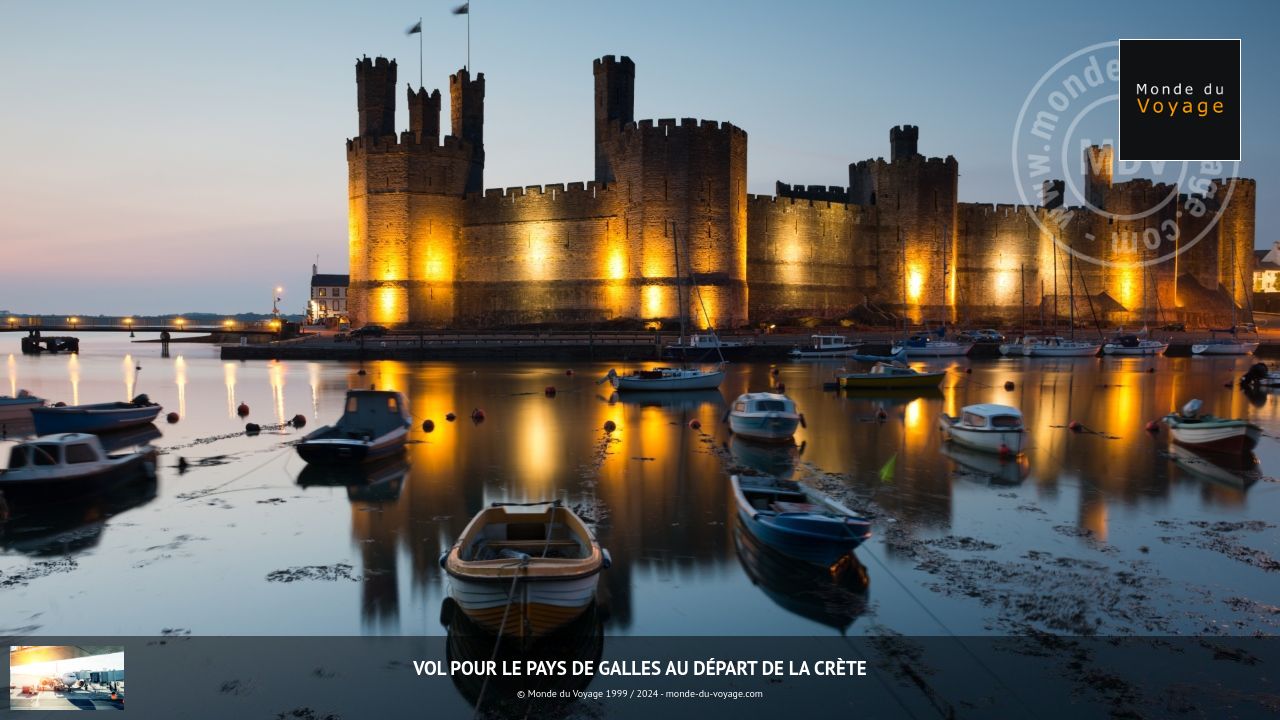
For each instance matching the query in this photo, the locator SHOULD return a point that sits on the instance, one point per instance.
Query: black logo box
(1189, 64)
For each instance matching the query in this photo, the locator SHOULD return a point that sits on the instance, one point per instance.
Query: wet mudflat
(1101, 532)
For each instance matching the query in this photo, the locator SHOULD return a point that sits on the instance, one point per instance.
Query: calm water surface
(1099, 531)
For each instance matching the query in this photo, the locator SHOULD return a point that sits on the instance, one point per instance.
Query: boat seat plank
(796, 507)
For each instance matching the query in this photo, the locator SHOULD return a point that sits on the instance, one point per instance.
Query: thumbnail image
(66, 677)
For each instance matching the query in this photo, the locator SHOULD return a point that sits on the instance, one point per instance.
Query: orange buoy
(1075, 426)
(1008, 385)
(610, 426)
(450, 417)
(298, 420)
(242, 410)
(1005, 452)
(1153, 426)
(968, 371)
(477, 416)
(694, 424)
(428, 425)
(171, 417)
(549, 391)
(1151, 369)
(569, 372)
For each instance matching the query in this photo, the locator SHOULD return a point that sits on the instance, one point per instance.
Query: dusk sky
(167, 157)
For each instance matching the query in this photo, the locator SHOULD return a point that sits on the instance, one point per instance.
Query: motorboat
(895, 352)
(766, 416)
(890, 376)
(1057, 346)
(18, 409)
(665, 379)
(95, 418)
(987, 427)
(825, 346)
(706, 346)
(1189, 428)
(525, 572)
(69, 466)
(374, 424)
(1224, 346)
(798, 520)
(1260, 376)
(926, 346)
(1016, 347)
(1132, 345)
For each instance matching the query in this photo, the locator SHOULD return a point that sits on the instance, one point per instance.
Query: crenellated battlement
(669, 127)
(406, 142)
(994, 210)
(830, 193)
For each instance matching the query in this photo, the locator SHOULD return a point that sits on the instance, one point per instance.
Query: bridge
(43, 326)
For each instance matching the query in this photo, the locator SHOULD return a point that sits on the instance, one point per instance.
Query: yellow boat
(891, 376)
(525, 572)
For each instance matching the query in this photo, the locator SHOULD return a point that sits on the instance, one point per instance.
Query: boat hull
(822, 354)
(938, 351)
(871, 381)
(990, 441)
(1244, 348)
(1050, 351)
(1122, 351)
(767, 428)
(348, 452)
(54, 420)
(92, 481)
(702, 381)
(18, 410)
(821, 540)
(538, 606)
(1235, 437)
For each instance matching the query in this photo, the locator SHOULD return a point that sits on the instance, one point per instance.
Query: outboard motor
(1191, 409)
(1256, 373)
(141, 400)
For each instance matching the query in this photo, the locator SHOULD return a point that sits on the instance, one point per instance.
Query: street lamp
(275, 302)
(128, 322)
(13, 322)
(73, 321)
(180, 322)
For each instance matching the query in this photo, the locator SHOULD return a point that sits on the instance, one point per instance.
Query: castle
(668, 210)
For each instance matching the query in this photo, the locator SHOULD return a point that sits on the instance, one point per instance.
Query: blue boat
(797, 520)
(97, 418)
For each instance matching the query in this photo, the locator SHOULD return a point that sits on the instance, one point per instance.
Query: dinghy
(525, 572)
(1057, 346)
(926, 346)
(1189, 428)
(798, 520)
(987, 427)
(96, 418)
(770, 417)
(375, 424)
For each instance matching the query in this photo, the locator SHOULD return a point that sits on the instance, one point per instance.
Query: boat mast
(1056, 314)
(943, 313)
(675, 245)
(1071, 291)
(1022, 286)
(902, 272)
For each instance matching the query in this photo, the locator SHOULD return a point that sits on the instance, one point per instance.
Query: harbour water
(1096, 532)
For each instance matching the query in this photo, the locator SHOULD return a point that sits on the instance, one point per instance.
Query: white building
(1266, 270)
(328, 301)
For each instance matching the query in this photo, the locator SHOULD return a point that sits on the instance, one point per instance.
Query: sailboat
(1227, 346)
(664, 379)
(1056, 345)
(1135, 344)
(923, 345)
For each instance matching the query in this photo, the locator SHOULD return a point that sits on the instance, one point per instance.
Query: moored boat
(95, 418)
(987, 427)
(18, 409)
(892, 353)
(890, 376)
(770, 417)
(798, 520)
(1132, 345)
(665, 379)
(825, 346)
(926, 346)
(525, 572)
(1056, 346)
(1189, 428)
(706, 346)
(1224, 346)
(67, 466)
(374, 424)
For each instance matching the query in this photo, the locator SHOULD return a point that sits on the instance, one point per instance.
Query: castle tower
(424, 115)
(376, 96)
(614, 107)
(902, 142)
(1098, 167)
(466, 98)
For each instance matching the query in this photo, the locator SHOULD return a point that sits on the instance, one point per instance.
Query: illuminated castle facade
(430, 247)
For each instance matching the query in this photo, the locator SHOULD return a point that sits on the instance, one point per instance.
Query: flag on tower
(463, 9)
(417, 28)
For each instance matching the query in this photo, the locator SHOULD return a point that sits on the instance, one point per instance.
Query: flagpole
(420, 33)
(468, 36)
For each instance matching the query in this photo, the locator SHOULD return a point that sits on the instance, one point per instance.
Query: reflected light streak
(313, 375)
(130, 377)
(229, 377)
(276, 373)
(73, 370)
(13, 376)
(180, 379)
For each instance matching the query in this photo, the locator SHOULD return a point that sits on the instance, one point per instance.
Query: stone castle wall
(430, 249)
